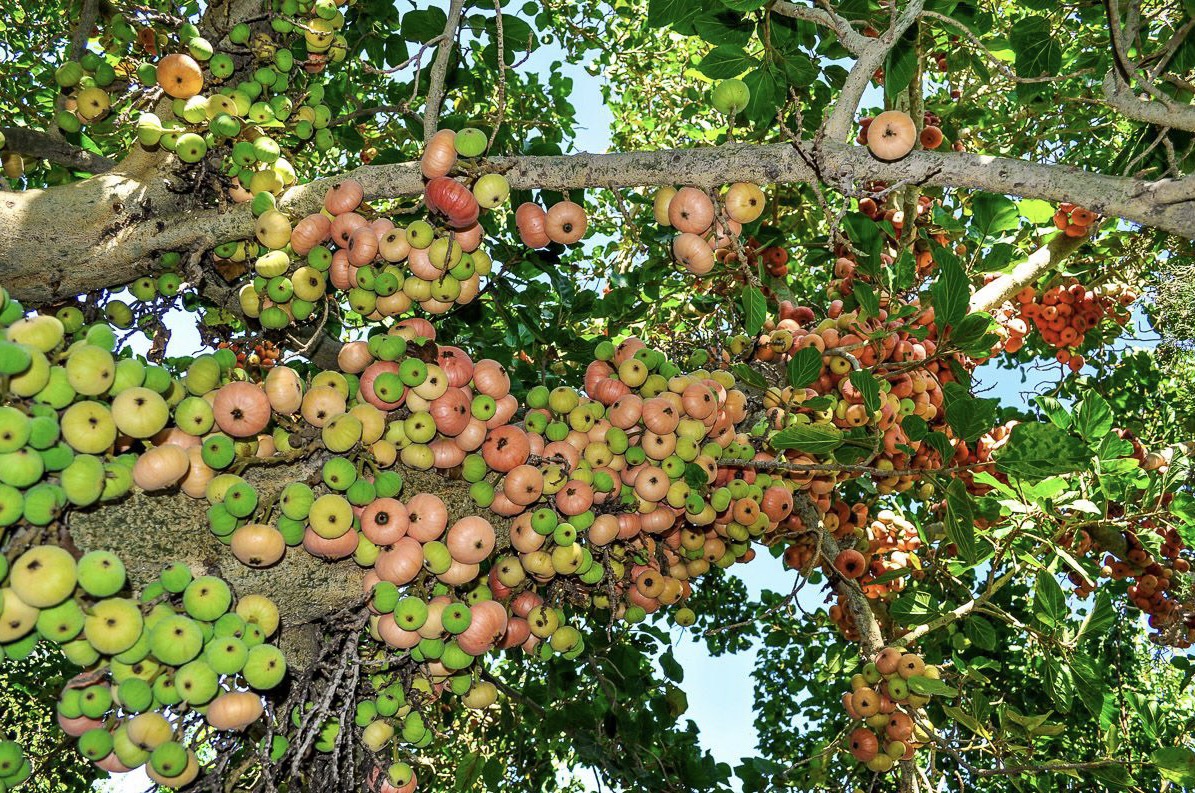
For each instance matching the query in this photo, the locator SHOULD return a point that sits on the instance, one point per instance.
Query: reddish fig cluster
(263, 354)
(1073, 220)
(1063, 315)
(889, 696)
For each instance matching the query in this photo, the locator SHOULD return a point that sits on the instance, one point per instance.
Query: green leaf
(899, 68)
(940, 442)
(745, 374)
(1054, 410)
(468, 771)
(960, 520)
(1036, 451)
(950, 293)
(717, 29)
(993, 213)
(798, 69)
(915, 427)
(981, 632)
(869, 302)
(1175, 763)
(915, 608)
(672, 668)
(972, 336)
(1060, 683)
(929, 687)
(1093, 417)
(725, 61)
(423, 25)
(745, 5)
(1036, 211)
(755, 309)
(695, 476)
(869, 387)
(1049, 602)
(810, 438)
(1101, 616)
(661, 13)
(767, 93)
(804, 367)
(967, 416)
(1038, 53)
(966, 719)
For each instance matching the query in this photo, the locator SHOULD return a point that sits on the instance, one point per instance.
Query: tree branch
(104, 247)
(838, 125)
(42, 146)
(87, 18)
(439, 72)
(1122, 99)
(1047, 257)
(850, 38)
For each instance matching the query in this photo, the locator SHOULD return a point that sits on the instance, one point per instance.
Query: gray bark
(106, 231)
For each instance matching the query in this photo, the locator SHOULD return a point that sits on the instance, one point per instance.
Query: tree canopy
(479, 424)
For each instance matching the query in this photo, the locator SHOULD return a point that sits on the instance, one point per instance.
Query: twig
(439, 73)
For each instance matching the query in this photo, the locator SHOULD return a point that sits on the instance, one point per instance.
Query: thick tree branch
(439, 72)
(854, 41)
(1122, 99)
(842, 117)
(43, 146)
(1045, 258)
(121, 220)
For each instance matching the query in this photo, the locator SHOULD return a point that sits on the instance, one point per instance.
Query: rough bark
(120, 220)
(43, 146)
(1151, 111)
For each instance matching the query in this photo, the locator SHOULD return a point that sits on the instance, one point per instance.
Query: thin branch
(43, 146)
(838, 125)
(439, 72)
(500, 105)
(1001, 66)
(850, 38)
(87, 18)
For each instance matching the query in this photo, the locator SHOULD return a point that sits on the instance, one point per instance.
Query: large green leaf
(960, 520)
(1049, 602)
(755, 310)
(1176, 763)
(1093, 417)
(423, 25)
(1038, 53)
(1101, 618)
(950, 292)
(767, 93)
(804, 367)
(900, 67)
(745, 5)
(968, 416)
(869, 387)
(993, 214)
(661, 13)
(726, 61)
(809, 438)
(1036, 451)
